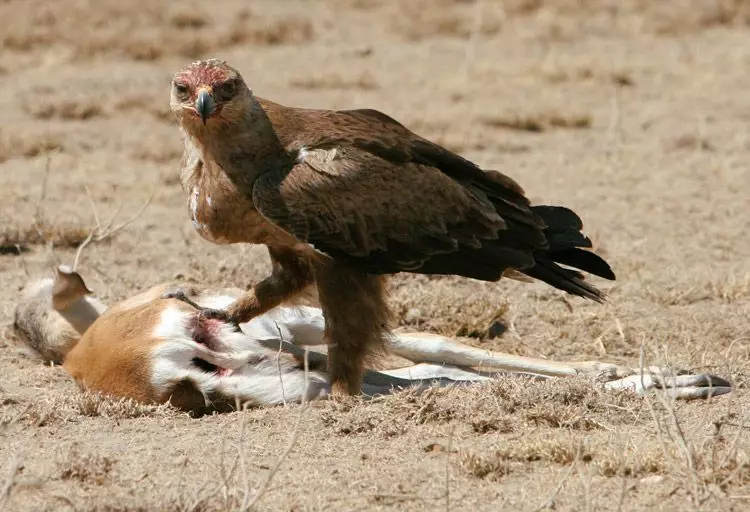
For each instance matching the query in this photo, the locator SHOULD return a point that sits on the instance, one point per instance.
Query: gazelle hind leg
(431, 348)
(439, 357)
(702, 385)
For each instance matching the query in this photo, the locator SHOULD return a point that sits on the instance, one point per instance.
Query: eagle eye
(181, 88)
(227, 90)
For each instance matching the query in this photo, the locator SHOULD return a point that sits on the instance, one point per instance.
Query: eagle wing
(378, 196)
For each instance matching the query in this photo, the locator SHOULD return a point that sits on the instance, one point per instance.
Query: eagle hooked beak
(205, 104)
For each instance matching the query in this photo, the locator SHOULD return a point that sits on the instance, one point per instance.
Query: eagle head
(208, 92)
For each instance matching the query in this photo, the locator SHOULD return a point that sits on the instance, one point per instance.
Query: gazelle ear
(68, 285)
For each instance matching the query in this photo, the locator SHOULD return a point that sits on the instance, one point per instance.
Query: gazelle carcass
(156, 348)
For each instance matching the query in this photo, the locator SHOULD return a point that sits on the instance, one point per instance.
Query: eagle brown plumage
(342, 198)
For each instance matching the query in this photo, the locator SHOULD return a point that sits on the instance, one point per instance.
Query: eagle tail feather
(565, 243)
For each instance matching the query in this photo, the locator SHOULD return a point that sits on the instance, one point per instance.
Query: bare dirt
(633, 113)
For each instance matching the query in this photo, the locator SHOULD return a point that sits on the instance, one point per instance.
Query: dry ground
(634, 113)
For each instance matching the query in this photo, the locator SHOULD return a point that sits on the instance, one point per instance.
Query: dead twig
(39, 210)
(22, 260)
(680, 439)
(278, 362)
(550, 503)
(447, 470)
(13, 470)
(292, 441)
(642, 370)
(38, 218)
(101, 232)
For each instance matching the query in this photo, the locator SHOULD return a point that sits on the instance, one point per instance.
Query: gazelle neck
(80, 313)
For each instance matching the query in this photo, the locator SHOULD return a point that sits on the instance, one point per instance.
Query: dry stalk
(624, 493)
(278, 362)
(242, 463)
(39, 210)
(13, 469)
(447, 470)
(675, 434)
(22, 260)
(647, 398)
(584, 475)
(681, 441)
(101, 232)
(292, 442)
(550, 503)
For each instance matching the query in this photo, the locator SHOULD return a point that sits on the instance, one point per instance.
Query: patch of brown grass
(66, 109)
(363, 82)
(98, 405)
(614, 458)
(559, 451)
(143, 49)
(439, 312)
(687, 17)
(148, 103)
(691, 142)
(42, 232)
(630, 461)
(28, 146)
(392, 417)
(289, 30)
(538, 123)
(716, 461)
(90, 468)
(74, 405)
(480, 466)
(508, 404)
(158, 153)
(427, 19)
(584, 74)
(148, 32)
(726, 289)
(199, 43)
(189, 19)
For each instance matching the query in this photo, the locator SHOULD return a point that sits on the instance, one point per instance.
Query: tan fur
(113, 356)
(52, 313)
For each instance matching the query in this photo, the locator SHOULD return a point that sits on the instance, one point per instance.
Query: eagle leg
(292, 272)
(357, 319)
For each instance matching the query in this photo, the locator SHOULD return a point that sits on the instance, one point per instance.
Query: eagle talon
(207, 313)
(181, 296)
(219, 314)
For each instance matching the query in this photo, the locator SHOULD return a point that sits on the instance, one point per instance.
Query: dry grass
(508, 405)
(71, 407)
(14, 145)
(147, 31)
(68, 110)
(538, 124)
(14, 238)
(445, 19)
(87, 467)
(439, 312)
(363, 82)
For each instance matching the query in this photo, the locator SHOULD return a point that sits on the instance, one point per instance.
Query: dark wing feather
(387, 217)
(371, 192)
